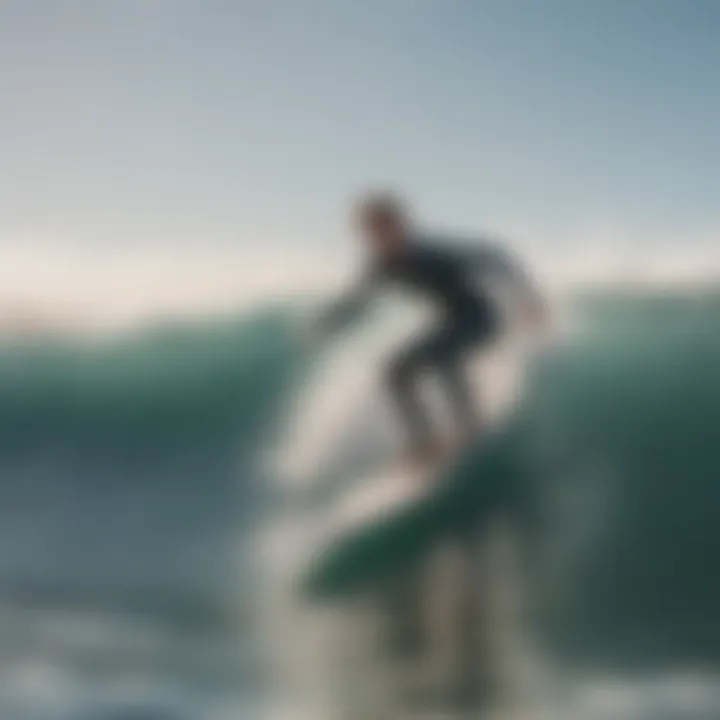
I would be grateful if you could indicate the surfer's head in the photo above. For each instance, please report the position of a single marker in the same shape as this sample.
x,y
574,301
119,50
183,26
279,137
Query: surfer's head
x,y
383,220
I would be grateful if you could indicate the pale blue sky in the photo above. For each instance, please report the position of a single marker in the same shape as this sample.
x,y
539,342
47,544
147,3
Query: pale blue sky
x,y
247,121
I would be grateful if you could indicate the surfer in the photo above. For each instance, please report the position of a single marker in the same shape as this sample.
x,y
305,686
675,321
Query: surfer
x,y
456,278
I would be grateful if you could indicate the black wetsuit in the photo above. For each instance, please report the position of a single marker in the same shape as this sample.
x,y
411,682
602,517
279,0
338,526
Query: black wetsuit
x,y
451,278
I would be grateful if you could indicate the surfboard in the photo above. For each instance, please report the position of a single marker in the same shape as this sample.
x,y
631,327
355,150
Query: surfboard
x,y
394,516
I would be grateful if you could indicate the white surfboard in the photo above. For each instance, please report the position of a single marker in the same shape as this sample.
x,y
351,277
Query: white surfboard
x,y
381,494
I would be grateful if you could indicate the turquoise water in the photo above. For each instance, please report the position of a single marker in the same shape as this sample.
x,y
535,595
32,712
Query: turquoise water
x,y
131,483
128,487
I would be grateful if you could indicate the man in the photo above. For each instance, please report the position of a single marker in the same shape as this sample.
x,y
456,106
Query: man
x,y
455,279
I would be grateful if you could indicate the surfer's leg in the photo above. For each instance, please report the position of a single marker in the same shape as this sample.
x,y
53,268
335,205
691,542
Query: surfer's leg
x,y
463,337
443,350
460,393
450,350
402,379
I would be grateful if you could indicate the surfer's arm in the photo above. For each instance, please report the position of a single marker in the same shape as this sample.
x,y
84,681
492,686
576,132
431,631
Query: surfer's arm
x,y
494,261
349,307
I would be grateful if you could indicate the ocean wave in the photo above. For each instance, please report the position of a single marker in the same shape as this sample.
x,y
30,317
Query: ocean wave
x,y
132,473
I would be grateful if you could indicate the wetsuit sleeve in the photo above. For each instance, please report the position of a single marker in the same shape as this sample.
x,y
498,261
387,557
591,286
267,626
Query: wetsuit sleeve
x,y
350,306
494,260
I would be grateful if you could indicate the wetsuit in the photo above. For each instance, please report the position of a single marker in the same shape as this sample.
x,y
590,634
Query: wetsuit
x,y
451,277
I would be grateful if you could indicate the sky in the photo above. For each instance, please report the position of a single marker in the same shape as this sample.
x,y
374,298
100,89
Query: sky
x,y
134,131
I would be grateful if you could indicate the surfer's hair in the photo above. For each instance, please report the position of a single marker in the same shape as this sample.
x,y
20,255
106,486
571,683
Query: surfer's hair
x,y
382,205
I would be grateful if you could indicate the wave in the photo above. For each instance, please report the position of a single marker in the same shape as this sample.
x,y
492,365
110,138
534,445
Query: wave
x,y
129,464
132,472
609,465
621,428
